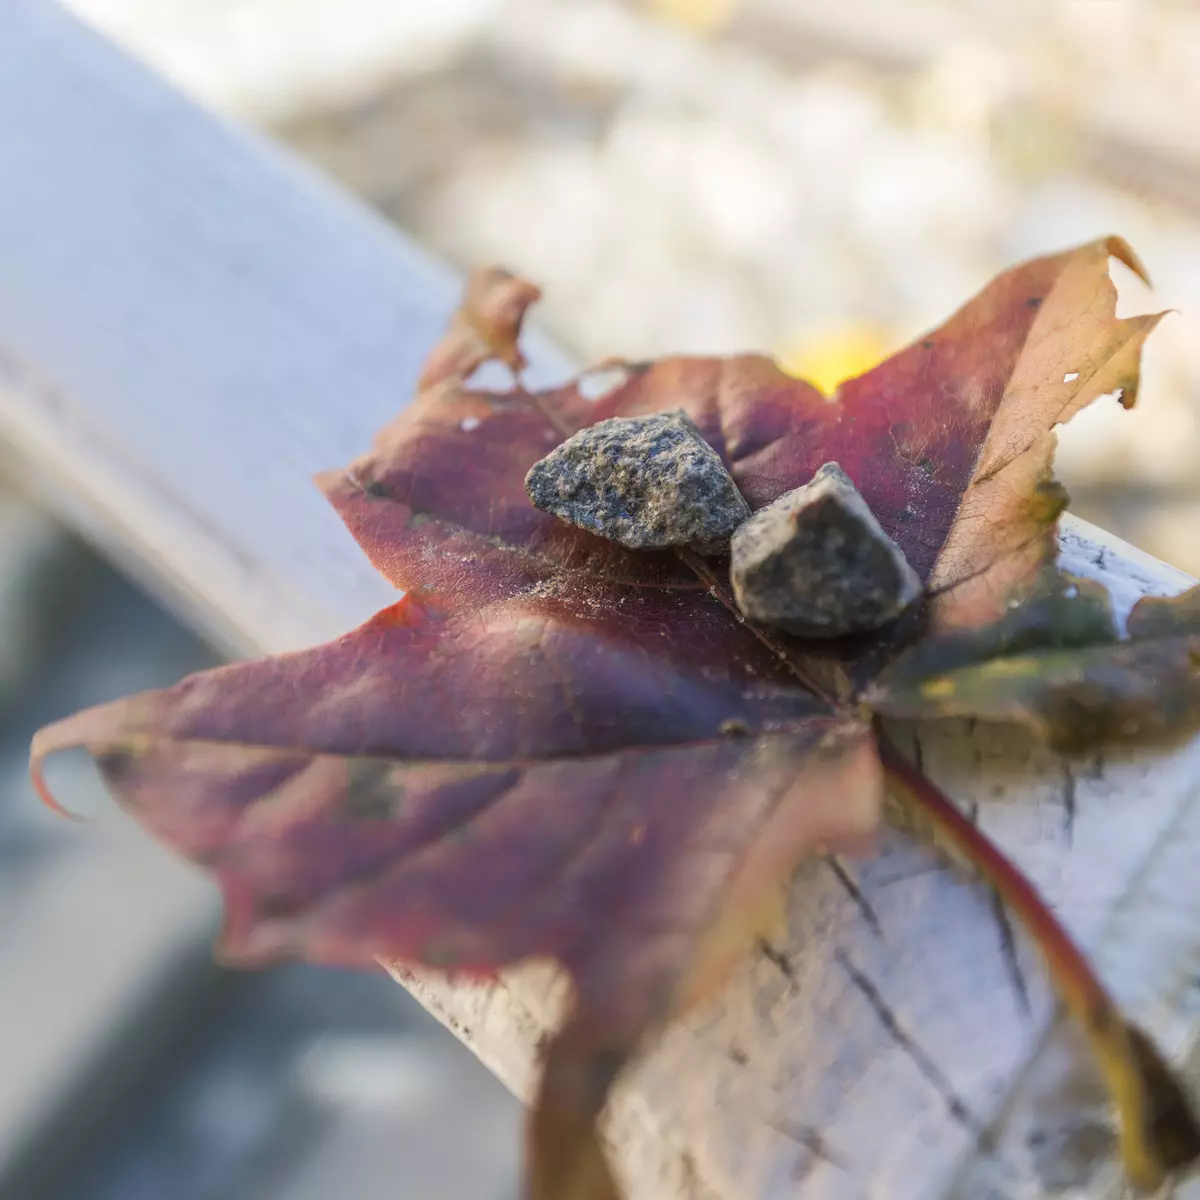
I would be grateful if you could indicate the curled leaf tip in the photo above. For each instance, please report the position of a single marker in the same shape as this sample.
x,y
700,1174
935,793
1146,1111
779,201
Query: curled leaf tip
x,y
46,742
486,326
47,796
1168,1139
1123,252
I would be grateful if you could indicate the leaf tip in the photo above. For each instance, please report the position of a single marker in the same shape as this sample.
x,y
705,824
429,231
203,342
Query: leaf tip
x,y
1123,252
47,741
329,481
487,325
105,730
1163,1136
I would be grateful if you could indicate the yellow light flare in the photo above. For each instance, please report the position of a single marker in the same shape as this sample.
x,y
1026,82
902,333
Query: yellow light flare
x,y
703,16
828,358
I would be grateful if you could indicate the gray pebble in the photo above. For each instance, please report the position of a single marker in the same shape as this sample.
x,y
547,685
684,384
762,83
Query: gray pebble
x,y
646,482
816,562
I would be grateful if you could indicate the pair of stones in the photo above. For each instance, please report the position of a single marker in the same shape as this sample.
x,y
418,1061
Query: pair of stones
x,y
815,562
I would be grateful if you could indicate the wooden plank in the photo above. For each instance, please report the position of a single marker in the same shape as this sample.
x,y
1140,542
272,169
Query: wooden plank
x,y
112,183
190,324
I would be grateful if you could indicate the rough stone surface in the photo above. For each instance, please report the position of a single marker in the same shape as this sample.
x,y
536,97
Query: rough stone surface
x,y
817,563
646,482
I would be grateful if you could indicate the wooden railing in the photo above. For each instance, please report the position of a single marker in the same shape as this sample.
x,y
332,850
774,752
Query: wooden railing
x,y
191,324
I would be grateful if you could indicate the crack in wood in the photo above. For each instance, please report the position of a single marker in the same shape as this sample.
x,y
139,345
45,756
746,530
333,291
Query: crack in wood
x,y
956,1106
1008,949
778,959
1069,807
812,1141
850,885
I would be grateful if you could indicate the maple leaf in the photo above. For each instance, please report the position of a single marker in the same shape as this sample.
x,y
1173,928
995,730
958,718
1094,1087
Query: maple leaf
x,y
1059,666
557,747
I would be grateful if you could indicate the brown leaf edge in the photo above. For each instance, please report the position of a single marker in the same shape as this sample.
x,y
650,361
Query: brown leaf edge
x,y
1159,1133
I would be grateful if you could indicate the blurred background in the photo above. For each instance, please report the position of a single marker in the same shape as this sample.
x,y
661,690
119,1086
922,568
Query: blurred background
x,y
819,180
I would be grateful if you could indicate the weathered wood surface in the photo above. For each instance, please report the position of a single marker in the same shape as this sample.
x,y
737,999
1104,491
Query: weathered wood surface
x,y
190,325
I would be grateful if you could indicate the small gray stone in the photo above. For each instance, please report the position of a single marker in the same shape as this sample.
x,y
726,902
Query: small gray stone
x,y
646,482
816,562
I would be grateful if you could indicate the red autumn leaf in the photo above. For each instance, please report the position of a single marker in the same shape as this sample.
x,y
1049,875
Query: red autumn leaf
x,y
556,747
